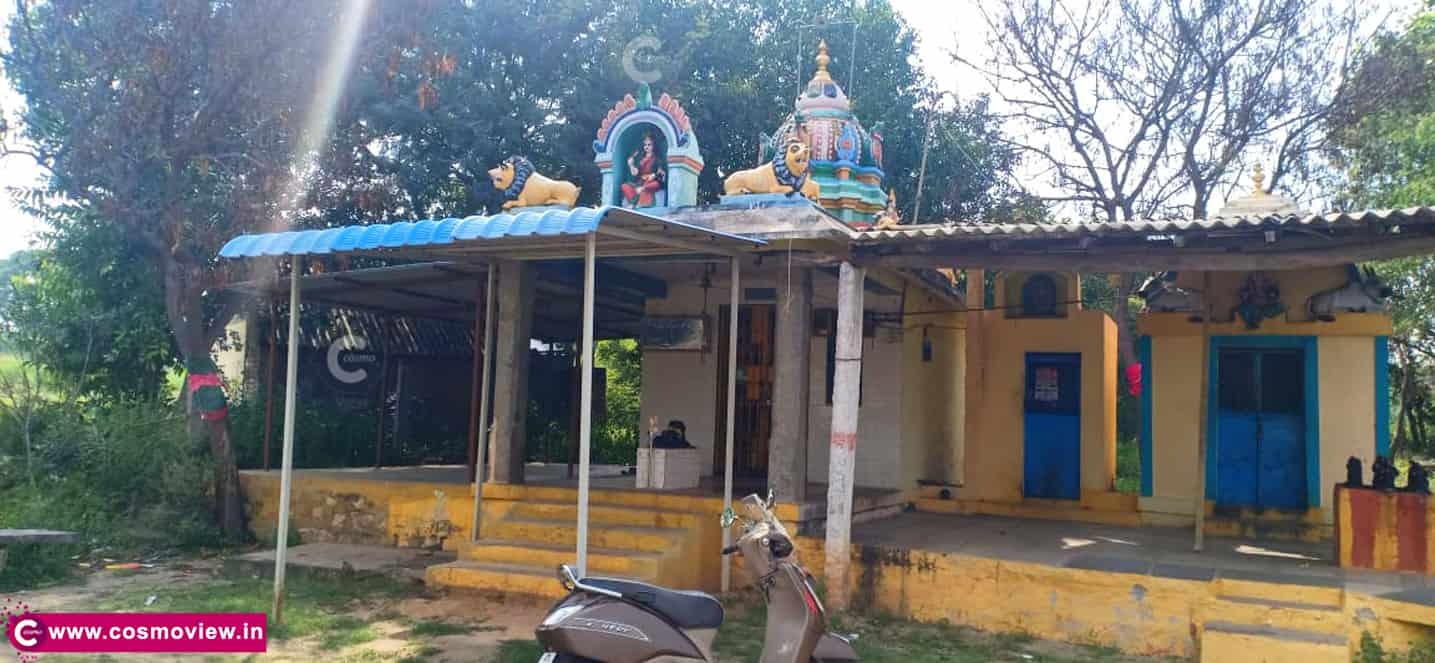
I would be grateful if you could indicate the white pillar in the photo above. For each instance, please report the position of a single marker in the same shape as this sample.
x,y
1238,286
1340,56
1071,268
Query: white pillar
x,y
485,444
585,415
286,468
732,316
846,396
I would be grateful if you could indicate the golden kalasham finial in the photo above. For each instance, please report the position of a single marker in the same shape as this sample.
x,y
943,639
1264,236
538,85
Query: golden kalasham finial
x,y
1258,179
822,61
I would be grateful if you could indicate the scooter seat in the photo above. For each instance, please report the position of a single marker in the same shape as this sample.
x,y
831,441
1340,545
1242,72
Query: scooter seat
x,y
685,609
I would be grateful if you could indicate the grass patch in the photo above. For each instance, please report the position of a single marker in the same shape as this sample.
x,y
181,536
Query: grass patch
x,y
421,654
433,628
312,606
886,639
519,651
1128,465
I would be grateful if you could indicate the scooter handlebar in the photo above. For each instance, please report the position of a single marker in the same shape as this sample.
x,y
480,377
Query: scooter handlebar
x,y
731,549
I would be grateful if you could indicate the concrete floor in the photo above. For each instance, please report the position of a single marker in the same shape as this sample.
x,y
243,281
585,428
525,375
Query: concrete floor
x,y
607,477
1155,551
336,558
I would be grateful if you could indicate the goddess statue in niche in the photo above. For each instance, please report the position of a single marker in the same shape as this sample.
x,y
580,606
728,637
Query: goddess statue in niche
x,y
647,174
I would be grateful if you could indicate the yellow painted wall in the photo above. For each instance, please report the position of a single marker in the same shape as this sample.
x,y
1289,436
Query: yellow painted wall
x,y
336,509
932,406
995,386
1347,401
1175,392
1138,614
1346,380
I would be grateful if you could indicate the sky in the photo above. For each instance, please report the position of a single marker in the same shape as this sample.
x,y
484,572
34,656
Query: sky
x,y
942,28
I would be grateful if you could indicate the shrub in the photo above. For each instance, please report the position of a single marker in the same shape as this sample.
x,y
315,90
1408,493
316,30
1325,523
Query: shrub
x,y
126,476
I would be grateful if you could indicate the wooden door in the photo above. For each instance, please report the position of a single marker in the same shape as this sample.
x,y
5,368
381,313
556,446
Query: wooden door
x,y
756,325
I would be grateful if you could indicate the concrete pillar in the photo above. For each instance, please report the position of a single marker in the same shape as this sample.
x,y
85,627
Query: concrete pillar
x,y
792,380
510,380
974,381
842,463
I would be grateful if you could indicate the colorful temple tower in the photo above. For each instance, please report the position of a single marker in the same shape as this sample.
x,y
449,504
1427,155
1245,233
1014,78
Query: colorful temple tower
x,y
846,158
648,153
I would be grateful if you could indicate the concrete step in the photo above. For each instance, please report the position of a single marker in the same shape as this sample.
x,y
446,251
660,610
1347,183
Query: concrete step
x,y
627,563
1283,589
567,512
506,578
553,533
1275,613
1222,642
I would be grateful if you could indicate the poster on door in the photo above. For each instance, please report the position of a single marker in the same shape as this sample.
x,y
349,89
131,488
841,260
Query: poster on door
x,y
1046,385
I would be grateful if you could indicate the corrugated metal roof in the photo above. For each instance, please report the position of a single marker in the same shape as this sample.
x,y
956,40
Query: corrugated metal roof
x,y
529,224
1421,215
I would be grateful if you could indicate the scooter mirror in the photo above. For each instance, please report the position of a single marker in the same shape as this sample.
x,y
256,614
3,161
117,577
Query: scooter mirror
x,y
728,517
771,498
566,577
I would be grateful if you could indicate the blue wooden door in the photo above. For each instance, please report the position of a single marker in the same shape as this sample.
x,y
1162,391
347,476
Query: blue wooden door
x,y
1052,425
1260,451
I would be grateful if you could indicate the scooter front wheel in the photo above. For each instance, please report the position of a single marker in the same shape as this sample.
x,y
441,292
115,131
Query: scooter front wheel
x,y
553,657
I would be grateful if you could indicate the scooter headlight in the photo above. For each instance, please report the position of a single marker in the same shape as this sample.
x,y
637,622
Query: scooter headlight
x,y
558,616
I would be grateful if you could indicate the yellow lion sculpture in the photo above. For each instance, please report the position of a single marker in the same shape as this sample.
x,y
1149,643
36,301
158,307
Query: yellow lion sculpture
x,y
787,173
523,187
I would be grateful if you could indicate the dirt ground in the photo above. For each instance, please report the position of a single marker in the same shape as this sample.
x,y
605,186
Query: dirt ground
x,y
474,626
494,618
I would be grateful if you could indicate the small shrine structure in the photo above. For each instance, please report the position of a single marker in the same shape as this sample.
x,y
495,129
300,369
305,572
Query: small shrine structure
x,y
846,158
648,153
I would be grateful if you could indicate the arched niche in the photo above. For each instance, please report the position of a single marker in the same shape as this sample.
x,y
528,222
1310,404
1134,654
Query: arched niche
x,y
621,135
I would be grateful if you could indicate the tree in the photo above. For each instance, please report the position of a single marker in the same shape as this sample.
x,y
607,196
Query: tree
x,y
447,92
1383,138
1138,109
176,124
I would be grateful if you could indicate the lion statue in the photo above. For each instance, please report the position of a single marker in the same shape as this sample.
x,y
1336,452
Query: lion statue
x,y
787,173
522,187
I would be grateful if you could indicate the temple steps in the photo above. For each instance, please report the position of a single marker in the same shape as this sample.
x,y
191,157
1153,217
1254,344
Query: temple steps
x,y
599,514
605,561
562,533
1222,642
507,578
1271,622
521,550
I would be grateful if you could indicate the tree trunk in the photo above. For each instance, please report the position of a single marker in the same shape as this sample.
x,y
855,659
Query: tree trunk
x,y
184,307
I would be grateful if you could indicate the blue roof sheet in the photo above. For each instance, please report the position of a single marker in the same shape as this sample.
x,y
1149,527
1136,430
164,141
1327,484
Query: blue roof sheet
x,y
435,232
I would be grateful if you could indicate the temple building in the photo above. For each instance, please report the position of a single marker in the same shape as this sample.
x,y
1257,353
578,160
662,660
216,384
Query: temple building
x,y
966,470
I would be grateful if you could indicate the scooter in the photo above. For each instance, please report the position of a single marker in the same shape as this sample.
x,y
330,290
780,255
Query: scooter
x,y
608,620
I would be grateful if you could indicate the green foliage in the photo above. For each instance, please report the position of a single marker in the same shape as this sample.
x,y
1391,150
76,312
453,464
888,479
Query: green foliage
x,y
91,311
125,476
331,437
1386,144
1372,651
449,91
615,438
1128,465
519,651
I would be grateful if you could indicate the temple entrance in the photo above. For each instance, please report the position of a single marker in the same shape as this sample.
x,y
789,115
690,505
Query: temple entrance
x,y
756,324
1260,451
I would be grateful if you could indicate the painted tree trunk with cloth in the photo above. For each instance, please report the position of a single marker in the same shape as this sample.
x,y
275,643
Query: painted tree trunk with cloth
x,y
204,392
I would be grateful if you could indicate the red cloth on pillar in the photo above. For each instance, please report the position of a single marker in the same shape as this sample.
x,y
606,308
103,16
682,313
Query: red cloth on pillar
x,y
1133,379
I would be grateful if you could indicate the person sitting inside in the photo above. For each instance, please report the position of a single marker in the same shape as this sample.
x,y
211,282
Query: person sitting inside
x,y
675,437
